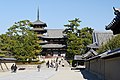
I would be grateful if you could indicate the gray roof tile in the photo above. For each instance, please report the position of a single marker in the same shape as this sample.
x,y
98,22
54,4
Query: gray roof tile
x,y
100,38
91,52
54,33
8,59
38,22
94,45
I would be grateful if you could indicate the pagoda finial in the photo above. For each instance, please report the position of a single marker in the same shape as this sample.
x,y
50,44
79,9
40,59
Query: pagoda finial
x,y
38,14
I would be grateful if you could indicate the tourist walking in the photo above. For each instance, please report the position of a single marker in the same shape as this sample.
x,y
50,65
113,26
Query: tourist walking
x,y
57,59
15,68
39,66
62,63
51,64
48,64
56,66
12,68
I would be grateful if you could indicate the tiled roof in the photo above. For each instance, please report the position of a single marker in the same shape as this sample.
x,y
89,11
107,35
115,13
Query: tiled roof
x,y
53,46
38,22
100,38
38,29
8,59
115,23
91,52
117,9
54,33
111,53
94,45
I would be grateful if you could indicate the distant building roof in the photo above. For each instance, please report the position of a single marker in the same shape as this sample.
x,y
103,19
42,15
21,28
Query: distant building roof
x,y
8,59
90,53
53,46
54,33
78,57
100,38
94,45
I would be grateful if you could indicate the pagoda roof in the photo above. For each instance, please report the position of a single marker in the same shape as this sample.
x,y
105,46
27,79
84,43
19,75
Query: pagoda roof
x,y
38,22
53,46
39,29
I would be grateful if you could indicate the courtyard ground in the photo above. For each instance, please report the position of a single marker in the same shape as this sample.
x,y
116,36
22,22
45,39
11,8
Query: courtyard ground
x,y
63,73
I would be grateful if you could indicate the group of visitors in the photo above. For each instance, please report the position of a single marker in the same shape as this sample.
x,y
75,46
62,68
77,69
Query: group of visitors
x,y
13,68
51,64
55,63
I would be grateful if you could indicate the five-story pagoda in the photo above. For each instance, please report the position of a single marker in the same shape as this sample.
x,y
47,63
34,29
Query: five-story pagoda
x,y
52,41
39,27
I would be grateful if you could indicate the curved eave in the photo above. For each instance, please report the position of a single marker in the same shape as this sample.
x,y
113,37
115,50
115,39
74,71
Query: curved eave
x,y
38,22
42,42
94,45
43,30
115,27
53,46
8,59
53,37
115,23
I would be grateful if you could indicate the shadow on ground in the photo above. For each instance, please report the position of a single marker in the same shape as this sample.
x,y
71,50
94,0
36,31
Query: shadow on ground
x,y
86,74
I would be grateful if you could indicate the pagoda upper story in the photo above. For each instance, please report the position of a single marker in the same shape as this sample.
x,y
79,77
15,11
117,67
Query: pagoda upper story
x,y
39,26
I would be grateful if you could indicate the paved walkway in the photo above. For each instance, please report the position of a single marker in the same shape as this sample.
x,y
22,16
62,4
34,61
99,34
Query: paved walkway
x,y
63,73
67,74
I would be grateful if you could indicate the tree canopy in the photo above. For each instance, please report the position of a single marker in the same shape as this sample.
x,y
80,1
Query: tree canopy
x,y
20,41
112,44
78,39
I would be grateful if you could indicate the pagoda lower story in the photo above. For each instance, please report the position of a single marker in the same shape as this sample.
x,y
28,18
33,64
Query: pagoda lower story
x,y
54,52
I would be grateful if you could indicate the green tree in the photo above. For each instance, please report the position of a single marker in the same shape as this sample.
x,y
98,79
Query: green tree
x,y
72,27
73,46
73,42
77,39
112,44
86,37
20,41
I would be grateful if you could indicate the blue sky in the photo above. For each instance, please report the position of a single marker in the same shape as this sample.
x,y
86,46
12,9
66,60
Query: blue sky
x,y
93,13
